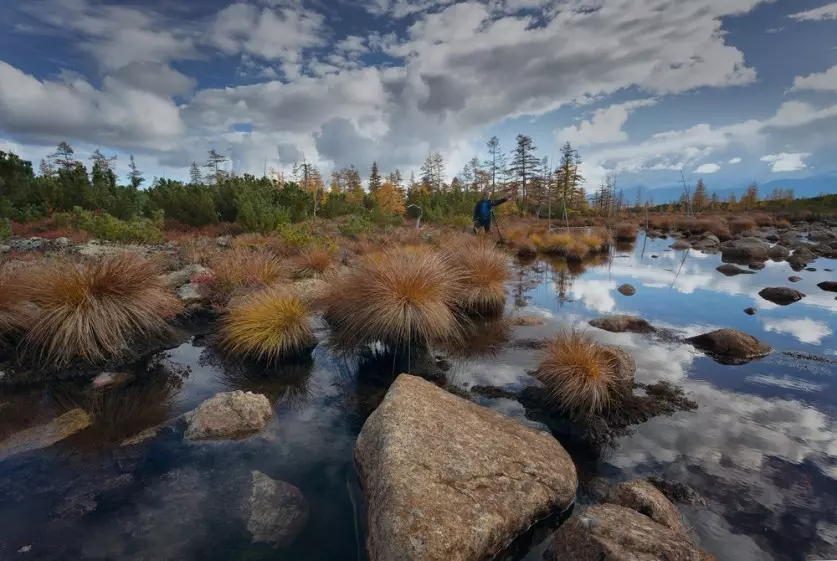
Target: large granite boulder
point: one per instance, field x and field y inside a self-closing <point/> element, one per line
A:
<point x="448" y="480"/>
<point x="228" y="415"/>
<point x="730" y="270"/>
<point x="646" y="499"/>
<point x="276" y="511"/>
<point x="622" y="324"/>
<point x="781" y="295"/>
<point x="745" y="250"/>
<point x="731" y="346"/>
<point x="616" y="533"/>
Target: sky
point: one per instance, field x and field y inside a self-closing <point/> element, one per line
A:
<point x="730" y="91"/>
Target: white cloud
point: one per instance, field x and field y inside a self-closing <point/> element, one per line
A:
<point x="806" y="330"/>
<point x="605" y="125"/>
<point x="786" y="162"/>
<point x="734" y="161"/>
<point x="829" y="11"/>
<point x="823" y="81"/>
<point x="708" y="168"/>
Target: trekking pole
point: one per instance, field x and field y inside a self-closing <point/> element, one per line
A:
<point x="497" y="224"/>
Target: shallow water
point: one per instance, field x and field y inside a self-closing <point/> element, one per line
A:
<point x="760" y="448"/>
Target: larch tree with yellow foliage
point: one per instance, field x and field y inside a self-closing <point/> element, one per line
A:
<point x="389" y="199"/>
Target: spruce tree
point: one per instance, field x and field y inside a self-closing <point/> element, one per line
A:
<point x="374" y="178"/>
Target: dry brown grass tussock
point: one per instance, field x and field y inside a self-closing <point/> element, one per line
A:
<point x="484" y="272"/>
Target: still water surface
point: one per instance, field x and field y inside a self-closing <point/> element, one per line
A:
<point x="760" y="448"/>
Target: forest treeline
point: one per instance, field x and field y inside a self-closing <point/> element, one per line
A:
<point x="94" y="198"/>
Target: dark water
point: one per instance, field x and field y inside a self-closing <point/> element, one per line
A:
<point x="760" y="448"/>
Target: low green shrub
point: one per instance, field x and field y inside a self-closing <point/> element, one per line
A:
<point x="356" y="225"/>
<point x="5" y="228"/>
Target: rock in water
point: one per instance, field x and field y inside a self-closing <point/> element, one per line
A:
<point x="616" y="533"/>
<point x="627" y="290"/>
<point x="744" y="250"/>
<point x="448" y="480"/>
<point x="622" y="324"/>
<point x="276" y="511"/>
<point x="750" y="311"/>
<point x="681" y="244"/>
<point x="731" y="346"/>
<point x="646" y="499"/>
<point x="828" y="286"/>
<point x="229" y="415"/>
<point x="35" y="438"/>
<point x="781" y="295"/>
<point x="794" y="278"/>
<point x="778" y="253"/>
<point x="732" y="270"/>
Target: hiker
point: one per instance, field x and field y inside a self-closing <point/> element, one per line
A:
<point x="483" y="211"/>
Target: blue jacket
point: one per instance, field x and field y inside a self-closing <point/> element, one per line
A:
<point x="482" y="210"/>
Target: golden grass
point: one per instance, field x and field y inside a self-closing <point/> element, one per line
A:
<point x="580" y="376"/>
<point x="720" y="229"/>
<point x="663" y="222"/>
<point x="396" y="297"/>
<point x="15" y="312"/>
<point x="485" y="270"/>
<point x="593" y="242"/>
<point x="577" y="251"/>
<point x="252" y="240"/>
<point x="267" y="325"/>
<point x="625" y="231"/>
<point x="97" y="311"/>
<point x="557" y="244"/>
<point x="315" y="262"/>
<point x="741" y="224"/>
<point x="242" y="269"/>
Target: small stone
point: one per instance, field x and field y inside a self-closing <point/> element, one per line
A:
<point x="527" y="321"/>
<point x="111" y="379"/>
<point x="188" y="294"/>
<point x="828" y="286"/>
<point x="622" y="324"/>
<point x="627" y="290"/>
<point x="794" y="278"/>
<point x="750" y="311"/>
<point x="25" y="549"/>
<point x="756" y="265"/>
<point x="730" y="270"/>
<point x="229" y="415"/>
<point x="730" y="346"/>
<point x="5" y="248"/>
<point x="781" y="295"/>
<point x="811" y="269"/>
<point x="184" y="275"/>
<point x="276" y="511"/>
<point x="655" y="256"/>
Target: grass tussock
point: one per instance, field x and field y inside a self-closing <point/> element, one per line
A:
<point x="762" y="219"/>
<point x="97" y="311"/>
<point x="315" y="262"/>
<point x="661" y="222"/>
<point x="485" y="270"/>
<point x="15" y="313"/>
<point x="241" y="270"/>
<point x="741" y="224"/>
<point x="557" y="244"/>
<point x="581" y="377"/>
<point x="626" y="231"/>
<point x="267" y="325"/>
<point x="720" y="229"/>
<point x="396" y="297"/>
<point x="577" y="251"/>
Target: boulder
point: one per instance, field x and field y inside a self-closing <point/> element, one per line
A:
<point x="228" y="415"/>
<point x="731" y="346"/>
<point x="681" y="244"/>
<point x="622" y="324"/>
<point x="755" y="265"/>
<point x="627" y="290"/>
<point x="27" y="244"/>
<point x="42" y="436"/>
<point x="797" y="262"/>
<point x="615" y="533"/>
<point x="789" y="238"/>
<point x="188" y="294"/>
<point x="778" y="253"/>
<point x="448" y="480"/>
<point x="781" y="295"/>
<point x="745" y="250"/>
<point x="730" y="270"/>
<point x="641" y="496"/>
<point x="276" y="512"/>
<point x="5" y="248"/>
<point x="310" y="290"/>
<point x="750" y="311"/>
<point x="794" y="278"/>
<point x="527" y="320"/>
<point x="61" y="243"/>
<point x="771" y="237"/>
<point x="828" y="286"/>
<point x="822" y="235"/>
<point x="177" y="279"/>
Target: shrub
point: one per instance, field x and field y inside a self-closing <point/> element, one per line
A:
<point x="314" y="262"/>
<point x="5" y="229"/>
<point x="625" y="231"/>
<point x="395" y="297"/>
<point x="293" y="239"/>
<point x="762" y="219"/>
<point x="663" y="223"/>
<point x="97" y="311"/>
<point x="355" y="225"/>
<point x="267" y="325"/>
<point x="741" y="224"/>
<point x="720" y="229"/>
<point x="106" y="227"/>
<point x="485" y="271"/>
<point x="581" y="377"/>
<point x="240" y="270"/>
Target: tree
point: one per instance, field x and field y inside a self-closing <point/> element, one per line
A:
<point x="213" y="163"/>
<point x="751" y="197"/>
<point x="433" y="172"/>
<point x="374" y="178"/>
<point x="396" y="179"/>
<point x="389" y="199"/>
<point x="64" y="157"/>
<point x="496" y="162"/>
<point x="524" y="164"/>
<point x="731" y="201"/>
<point x="699" y="198"/>
<point x="195" y="176"/>
<point x="46" y="168"/>
<point x="135" y="175"/>
<point x="568" y="180"/>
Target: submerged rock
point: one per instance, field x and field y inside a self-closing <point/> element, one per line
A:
<point x="646" y="499"/>
<point x="622" y="324"/>
<point x="627" y="290"/>
<point x="781" y="295"/>
<point x="527" y="321"/>
<point x="730" y="346"/>
<point x="35" y="438"/>
<point x="616" y="533"/>
<point x="276" y="511"/>
<point x="448" y="480"/>
<point x="828" y="286"/>
<point x="229" y="415"/>
<point x="732" y="270"/>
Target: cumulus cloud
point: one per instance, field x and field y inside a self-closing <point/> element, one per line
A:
<point x="734" y="161"/>
<point x="605" y="126"/>
<point x="806" y="330"/>
<point x="829" y="11"/>
<point x="786" y="162"/>
<point x="823" y="81"/>
<point x="708" y="168"/>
